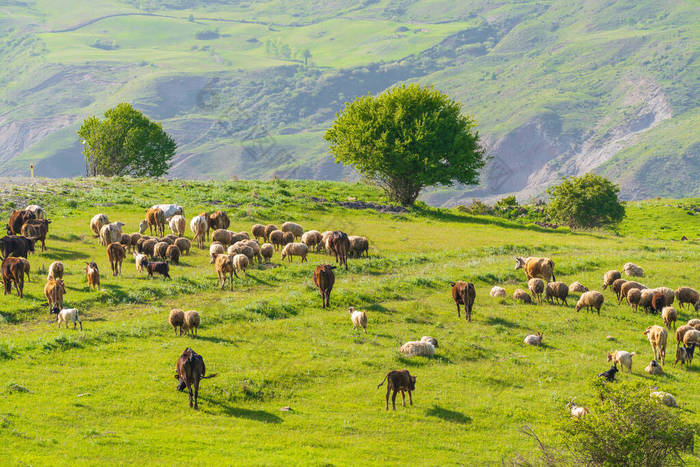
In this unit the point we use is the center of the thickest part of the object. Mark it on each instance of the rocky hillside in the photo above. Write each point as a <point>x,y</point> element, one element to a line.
<point>247,88</point>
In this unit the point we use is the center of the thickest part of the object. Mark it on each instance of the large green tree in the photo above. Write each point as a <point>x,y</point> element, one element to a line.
<point>585,202</point>
<point>406,139</point>
<point>126,142</point>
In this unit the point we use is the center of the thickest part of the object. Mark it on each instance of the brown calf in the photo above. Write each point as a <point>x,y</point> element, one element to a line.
<point>190,371</point>
<point>54,290</point>
<point>324,278</point>
<point>464,293</point>
<point>116,254</point>
<point>156,218</point>
<point>13,271</point>
<point>398,380</point>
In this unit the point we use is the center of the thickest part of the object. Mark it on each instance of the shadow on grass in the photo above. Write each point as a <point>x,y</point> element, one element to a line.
<point>422,361</point>
<point>378,308</point>
<point>448,415</point>
<point>255,415</point>
<point>60,253</point>
<point>214,339</point>
<point>503,322</point>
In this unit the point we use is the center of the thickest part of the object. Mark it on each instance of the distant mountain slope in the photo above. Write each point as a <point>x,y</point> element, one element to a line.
<point>247,89</point>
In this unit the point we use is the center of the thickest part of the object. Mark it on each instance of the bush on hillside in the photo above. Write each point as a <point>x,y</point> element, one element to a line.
<point>585,202</point>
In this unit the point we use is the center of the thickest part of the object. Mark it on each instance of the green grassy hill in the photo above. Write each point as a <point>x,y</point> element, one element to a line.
<point>107,394</point>
<point>247,88</point>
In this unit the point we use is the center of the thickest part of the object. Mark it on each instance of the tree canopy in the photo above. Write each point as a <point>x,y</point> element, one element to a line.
<point>585,202</point>
<point>406,139</point>
<point>126,142</point>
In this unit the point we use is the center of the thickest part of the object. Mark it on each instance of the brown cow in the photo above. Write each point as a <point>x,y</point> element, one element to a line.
<point>536,267</point>
<point>340,246</point>
<point>54,290</point>
<point>13,271</point>
<point>324,278</point>
<point>464,293</point>
<point>17,220</point>
<point>224,265</point>
<point>217,220</point>
<point>156,218</point>
<point>116,254</point>
<point>37,229</point>
<point>398,380</point>
<point>190,371</point>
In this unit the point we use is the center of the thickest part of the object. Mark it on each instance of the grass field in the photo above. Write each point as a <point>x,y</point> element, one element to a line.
<point>106,395</point>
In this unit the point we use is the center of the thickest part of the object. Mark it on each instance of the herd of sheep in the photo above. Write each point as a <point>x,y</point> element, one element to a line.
<point>232,253</point>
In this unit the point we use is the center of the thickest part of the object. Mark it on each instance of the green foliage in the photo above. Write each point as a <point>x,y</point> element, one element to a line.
<point>126,142</point>
<point>627,427</point>
<point>477,207</point>
<point>586,202</point>
<point>406,139</point>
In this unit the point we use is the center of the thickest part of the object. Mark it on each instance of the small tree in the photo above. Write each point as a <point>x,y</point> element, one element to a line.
<point>406,139</point>
<point>126,142</point>
<point>585,202</point>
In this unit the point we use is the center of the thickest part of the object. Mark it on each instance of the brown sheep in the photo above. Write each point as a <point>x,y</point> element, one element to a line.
<point>610,277</point>
<point>116,254</point>
<point>224,266</point>
<point>156,218</point>
<point>657,336</point>
<point>617,287</point>
<point>191,322</point>
<point>13,272</point>
<point>148,247</point>
<point>634,296</point>
<point>324,278</point>
<point>669,295</point>
<point>680,333</point>
<point>54,290</point>
<point>687,295</point>
<point>269,228</point>
<point>358,246</point>
<point>184,245</point>
<point>177,319</point>
<point>311,238</point>
<point>691,337</point>
<point>536,286</point>
<point>522,296</point>
<point>557,291</point>
<point>222,236</point>
<point>217,220</point>
<point>92,274</point>
<point>126,241</point>
<point>536,267</point>
<point>658,301</point>
<point>276,237</point>
<point>669,315</point>
<point>159,250</point>
<point>695,323</point>
<point>215,249</point>
<point>590,300</point>
<point>173,254</point>
<point>287,238</point>
<point>55,271</point>
<point>258,231</point>
<point>464,293</point>
<point>240,263</point>
<point>266,250</point>
<point>295,249</point>
<point>626,287</point>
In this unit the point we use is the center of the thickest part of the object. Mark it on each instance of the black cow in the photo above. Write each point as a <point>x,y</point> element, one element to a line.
<point>15,245</point>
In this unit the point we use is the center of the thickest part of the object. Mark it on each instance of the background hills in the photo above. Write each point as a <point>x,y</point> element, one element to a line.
<point>247,88</point>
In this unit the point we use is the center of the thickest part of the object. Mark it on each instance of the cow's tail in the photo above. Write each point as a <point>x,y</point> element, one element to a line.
<point>380,384</point>
<point>551,264</point>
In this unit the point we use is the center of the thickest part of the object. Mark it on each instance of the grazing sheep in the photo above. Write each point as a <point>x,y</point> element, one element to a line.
<point>143,225</point>
<point>556,291</point>
<point>665,398</point>
<point>464,293</point>
<point>184,245</point>
<point>295,229</point>
<point>645,299</point>
<point>324,278</point>
<point>266,250</point>
<point>156,218</point>
<point>224,266</point>
<point>55,271</point>
<point>92,274</point>
<point>617,287</point>
<point>148,247</point>
<point>255,246</point>
<point>97,222</point>
<point>626,287</point>
<point>111,233</point>
<point>116,254</point>
<point>126,241</point>
<point>522,296</point>
<point>497,291</point>
<point>657,338</point>
<point>432,340</point>
<point>173,254</point>
<point>634,297</point>
<point>695,323</point>
<point>358,246</point>
<point>140,259</point>
<point>669,295</point>
<point>632,270</point>
<point>398,380</point>
<point>576,411</point>
<point>177,319</point>
<point>311,238</point>
<point>199,226</point>
<point>225,237</point>
<point>177,225</point>
<point>684,355</point>
<point>160,249</point>
<point>160,267</point>
<point>191,322</point>
<point>258,231</point>
<point>687,295</point>
<point>269,228</point>
<point>536,286</point>
<point>241,248</point>
<point>691,337</point>
<point>669,315</point>
<point>653,368</point>
<point>533,339</point>
<point>578,287</point>
<point>417,349</point>
<point>609,375</point>
<point>610,277</point>
<point>287,238</point>
<point>215,248</point>
<point>622,358</point>
<point>536,267</point>
<point>38,211</point>
<point>680,333</point>
<point>65,315</point>
<point>276,237</point>
<point>358,318</point>
<point>240,263</point>
<point>295,249</point>
<point>54,290</point>
<point>590,300</point>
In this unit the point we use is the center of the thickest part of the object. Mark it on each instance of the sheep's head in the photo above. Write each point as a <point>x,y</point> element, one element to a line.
<point>646,333</point>
<point>351,310</point>
<point>519,262</point>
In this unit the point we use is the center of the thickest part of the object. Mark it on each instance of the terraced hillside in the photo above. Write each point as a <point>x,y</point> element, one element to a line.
<point>247,88</point>
<point>107,394</point>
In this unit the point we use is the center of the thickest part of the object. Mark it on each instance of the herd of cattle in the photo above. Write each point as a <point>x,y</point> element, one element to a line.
<point>232,253</point>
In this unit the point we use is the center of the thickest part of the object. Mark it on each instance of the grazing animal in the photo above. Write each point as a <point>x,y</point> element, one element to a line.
<point>269,228</point>
<point>421,348</point>
<point>199,226</point>
<point>92,274</point>
<point>287,238</point>
<point>143,225</point>
<point>170,210</point>
<point>695,323</point>
<point>37,229</point>
<point>190,371</point>
<point>340,245</point>
<point>691,337</point>
<point>111,233</point>
<point>160,267</point>
<point>324,278</point>
<point>533,339</point>
<point>687,295</point>
<point>658,301</point>
<point>277,238</point>
<point>116,254</point>
<point>610,277</point>
<point>653,368</point>
<point>191,322</point>
<point>295,249</point>
<point>631,269</point>
<point>358,318</point>
<point>657,336</point>
<point>55,271</point>
<point>609,375</point>
<point>576,411</point>
<point>156,218</point>
<point>522,296</point>
<point>258,231</point>
<point>184,245</point>
<point>224,266</point>
<point>625,287</point>
<point>497,291</point>
<point>223,236</point>
<point>312,238</point>
<point>668,293</point>
<point>398,380</point>
<point>126,241</point>
<point>622,358</point>
<point>65,315</point>
<point>684,355</point>
<point>556,291</point>
<point>173,254</point>
<point>217,220</point>
<point>266,250</point>
<point>669,315</point>
<point>590,300</point>
<point>358,246</point>
<point>578,287</point>
<point>536,286</point>
<point>215,249</point>
<point>680,333</point>
<point>295,229</point>
<point>177,225</point>
<point>617,287</point>
<point>13,272</point>
<point>664,397</point>
<point>54,290</point>
<point>634,298</point>
<point>464,293</point>
<point>14,245</point>
<point>17,220</point>
<point>148,247</point>
<point>536,267</point>
<point>159,250</point>
<point>177,319</point>
<point>240,263</point>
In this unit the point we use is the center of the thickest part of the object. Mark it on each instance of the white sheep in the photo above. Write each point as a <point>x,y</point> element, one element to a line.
<point>177,225</point>
<point>111,233</point>
<point>631,269</point>
<point>657,336</point>
<point>578,287</point>
<point>295,249</point>
<point>497,291</point>
<point>199,227</point>
<point>55,271</point>
<point>97,222</point>
<point>358,318</point>
<point>533,339</point>
<point>590,300</point>
<point>622,358</point>
<point>69,314</point>
<point>143,225</point>
<point>419,348</point>
<point>215,248</point>
<point>38,211</point>
<point>296,229</point>
<point>240,263</point>
<point>664,397</point>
